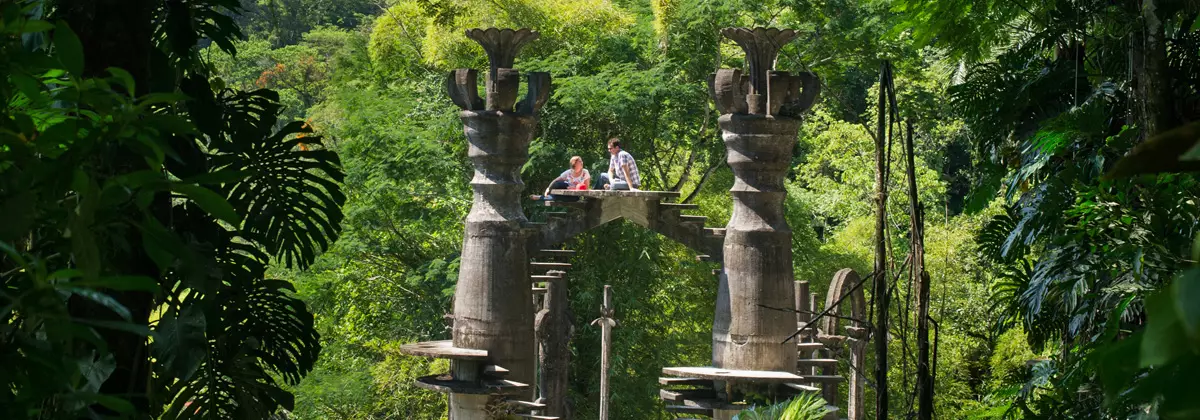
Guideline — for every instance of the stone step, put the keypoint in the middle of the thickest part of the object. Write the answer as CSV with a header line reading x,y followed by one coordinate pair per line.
x,y
554,253
686,381
706,258
715,232
567,204
535,416
857,332
539,290
544,277
801,387
687,218
686,394
823,379
678,206
443,349
816,362
550,265
810,346
683,409
530,405
496,371
831,340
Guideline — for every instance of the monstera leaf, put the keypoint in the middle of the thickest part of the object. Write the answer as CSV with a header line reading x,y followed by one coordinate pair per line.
x,y
290,198
261,330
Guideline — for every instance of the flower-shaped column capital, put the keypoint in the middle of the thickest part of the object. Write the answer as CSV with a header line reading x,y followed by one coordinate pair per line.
x,y
761,46
502,45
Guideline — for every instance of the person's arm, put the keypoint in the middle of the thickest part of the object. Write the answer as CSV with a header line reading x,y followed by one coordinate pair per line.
x,y
551,185
610,174
628,180
587,178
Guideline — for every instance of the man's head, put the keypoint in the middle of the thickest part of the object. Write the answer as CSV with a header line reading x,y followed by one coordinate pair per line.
x,y
614,145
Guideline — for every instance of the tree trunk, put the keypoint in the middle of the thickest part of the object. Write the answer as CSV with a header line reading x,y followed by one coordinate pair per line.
x,y
1152,79
881,286
924,376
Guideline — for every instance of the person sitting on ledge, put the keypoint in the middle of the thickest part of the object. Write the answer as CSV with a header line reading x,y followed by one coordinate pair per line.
x,y
576,178
622,169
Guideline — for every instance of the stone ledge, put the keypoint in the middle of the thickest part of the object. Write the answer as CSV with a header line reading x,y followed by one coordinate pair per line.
x,y
443,349
649,195
445,384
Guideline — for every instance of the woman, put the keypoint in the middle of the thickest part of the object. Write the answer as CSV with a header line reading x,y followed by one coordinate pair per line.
x,y
575,178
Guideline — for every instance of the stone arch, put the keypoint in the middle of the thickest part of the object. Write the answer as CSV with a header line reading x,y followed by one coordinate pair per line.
x,y
647,209
843,282
854,335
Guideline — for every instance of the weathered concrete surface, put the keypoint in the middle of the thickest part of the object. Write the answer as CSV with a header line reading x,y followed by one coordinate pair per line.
x,y
554,331
760,120
642,208
758,247
491,301
844,282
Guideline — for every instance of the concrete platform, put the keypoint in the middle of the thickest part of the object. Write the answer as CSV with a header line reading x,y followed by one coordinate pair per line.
x,y
649,195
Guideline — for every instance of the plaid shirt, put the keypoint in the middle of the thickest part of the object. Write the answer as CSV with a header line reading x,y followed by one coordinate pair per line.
x,y
624,158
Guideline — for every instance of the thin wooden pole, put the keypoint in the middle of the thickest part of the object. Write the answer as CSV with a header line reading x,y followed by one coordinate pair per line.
x,y
924,376
881,286
606,322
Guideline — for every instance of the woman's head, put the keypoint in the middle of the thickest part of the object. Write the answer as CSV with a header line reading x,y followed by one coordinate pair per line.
x,y
576,162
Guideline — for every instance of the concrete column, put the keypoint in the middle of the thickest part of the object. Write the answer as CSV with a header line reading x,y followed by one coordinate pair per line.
x,y
759,122
491,301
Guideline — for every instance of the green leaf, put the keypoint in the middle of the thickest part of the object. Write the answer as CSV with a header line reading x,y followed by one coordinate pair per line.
x,y
121,283
104,300
80,218
128,327
180,343
65,274
124,78
96,370
1113,363
36,26
68,49
208,200
1186,296
29,86
117,404
226,176
161,98
1165,339
162,245
19,211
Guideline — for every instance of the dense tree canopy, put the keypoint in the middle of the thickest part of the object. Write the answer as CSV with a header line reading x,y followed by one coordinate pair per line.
x,y
243,208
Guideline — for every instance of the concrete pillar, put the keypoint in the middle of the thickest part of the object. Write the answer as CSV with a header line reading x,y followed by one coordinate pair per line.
x,y
759,123
491,301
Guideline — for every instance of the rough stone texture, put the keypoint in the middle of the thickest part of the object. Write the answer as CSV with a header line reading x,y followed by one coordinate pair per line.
x,y
757,251
493,280
554,331
758,247
642,208
491,301
843,283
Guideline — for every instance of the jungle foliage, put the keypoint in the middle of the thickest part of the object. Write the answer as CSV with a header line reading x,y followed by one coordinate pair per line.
x,y
154,180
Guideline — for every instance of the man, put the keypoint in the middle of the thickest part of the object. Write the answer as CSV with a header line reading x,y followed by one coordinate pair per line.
x,y
622,170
